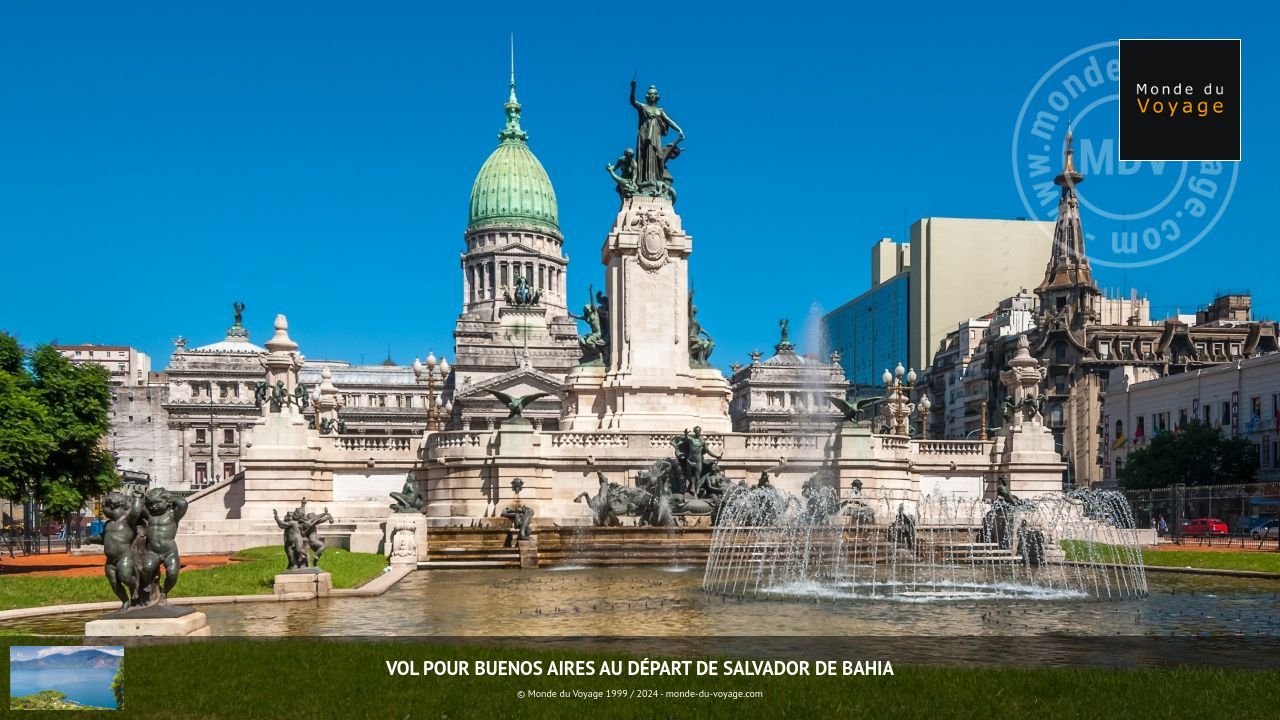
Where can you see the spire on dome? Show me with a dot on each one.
(513, 132)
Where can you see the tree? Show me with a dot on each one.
(53, 417)
(1195, 455)
(117, 684)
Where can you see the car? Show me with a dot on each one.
(1266, 530)
(1204, 526)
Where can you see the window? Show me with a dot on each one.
(228, 469)
(200, 435)
(1206, 414)
(1055, 415)
(1182, 417)
(1060, 352)
(228, 436)
(1235, 349)
(202, 473)
(1104, 350)
(1124, 347)
(1225, 417)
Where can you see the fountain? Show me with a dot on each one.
(938, 546)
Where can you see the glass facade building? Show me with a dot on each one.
(870, 331)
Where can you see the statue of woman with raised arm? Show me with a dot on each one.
(650, 157)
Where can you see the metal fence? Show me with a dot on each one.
(1242, 507)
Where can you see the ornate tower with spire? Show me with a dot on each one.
(514, 279)
(1068, 295)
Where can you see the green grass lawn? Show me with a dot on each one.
(1209, 559)
(243, 679)
(252, 575)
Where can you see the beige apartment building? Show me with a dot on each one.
(961, 268)
(127, 365)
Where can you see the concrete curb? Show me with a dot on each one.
(374, 587)
(1214, 571)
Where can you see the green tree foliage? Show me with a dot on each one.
(1196, 455)
(117, 684)
(53, 417)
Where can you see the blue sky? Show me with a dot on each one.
(161, 160)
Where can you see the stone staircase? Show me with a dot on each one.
(590, 546)
(469, 548)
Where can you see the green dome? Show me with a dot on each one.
(512, 190)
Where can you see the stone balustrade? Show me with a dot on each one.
(895, 442)
(378, 443)
(953, 447)
(587, 439)
(783, 442)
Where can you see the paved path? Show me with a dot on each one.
(63, 564)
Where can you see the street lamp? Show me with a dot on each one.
(430, 373)
(925, 405)
(898, 393)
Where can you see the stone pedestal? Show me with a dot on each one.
(649, 384)
(181, 622)
(369, 537)
(406, 538)
(528, 553)
(311, 581)
(1031, 460)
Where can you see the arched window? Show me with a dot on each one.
(1055, 415)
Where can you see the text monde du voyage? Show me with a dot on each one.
(636, 668)
(1179, 99)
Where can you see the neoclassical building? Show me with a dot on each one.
(513, 333)
(1080, 336)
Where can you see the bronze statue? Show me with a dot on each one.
(623, 173)
(261, 390)
(690, 450)
(523, 295)
(300, 535)
(850, 412)
(238, 307)
(602, 512)
(162, 511)
(293, 543)
(650, 173)
(595, 344)
(1002, 490)
(139, 541)
(408, 499)
(123, 515)
(700, 343)
(516, 405)
(784, 324)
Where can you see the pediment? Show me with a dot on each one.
(516, 383)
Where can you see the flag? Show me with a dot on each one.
(1119, 442)
(1254, 422)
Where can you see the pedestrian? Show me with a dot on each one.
(1162, 527)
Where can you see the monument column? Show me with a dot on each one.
(646, 368)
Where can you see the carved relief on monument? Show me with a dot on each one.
(654, 233)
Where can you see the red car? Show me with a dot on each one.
(1204, 526)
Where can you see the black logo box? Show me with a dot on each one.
(1208, 133)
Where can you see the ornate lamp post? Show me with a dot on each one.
(925, 405)
(897, 408)
(433, 371)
